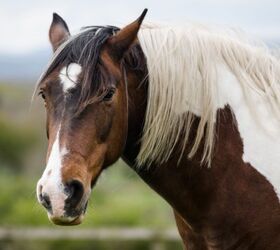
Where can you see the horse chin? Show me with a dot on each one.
(69, 217)
(66, 221)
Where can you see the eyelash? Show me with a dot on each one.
(41, 93)
(109, 95)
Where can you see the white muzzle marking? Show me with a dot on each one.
(51, 181)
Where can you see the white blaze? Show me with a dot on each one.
(51, 181)
(69, 76)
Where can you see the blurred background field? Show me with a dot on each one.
(120, 199)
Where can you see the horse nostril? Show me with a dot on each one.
(75, 190)
(45, 201)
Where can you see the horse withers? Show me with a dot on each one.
(194, 110)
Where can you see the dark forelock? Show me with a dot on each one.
(84, 49)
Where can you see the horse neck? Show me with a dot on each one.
(137, 103)
(191, 189)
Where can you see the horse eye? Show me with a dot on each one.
(109, 95)
(41, 93)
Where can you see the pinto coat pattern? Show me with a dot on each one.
(195, 112)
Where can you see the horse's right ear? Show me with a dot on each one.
(58, 32)
(121, 42)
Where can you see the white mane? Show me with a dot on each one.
(182, 64)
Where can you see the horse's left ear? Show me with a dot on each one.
(123, 39)
(58, 32)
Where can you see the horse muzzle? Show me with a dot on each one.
(65, 203)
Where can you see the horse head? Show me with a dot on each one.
(85, 95)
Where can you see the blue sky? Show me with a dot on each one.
(24, 24)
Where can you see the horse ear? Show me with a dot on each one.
(58, 32)
(123, 39)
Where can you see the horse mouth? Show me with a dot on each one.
(75, 218)
(67, 221)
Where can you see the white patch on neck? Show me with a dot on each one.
(51, 180)
(258, 128)
(69, 76)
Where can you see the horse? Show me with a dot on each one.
(192, 109)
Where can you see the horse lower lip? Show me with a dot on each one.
(64, 221)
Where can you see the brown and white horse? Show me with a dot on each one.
(192, 109)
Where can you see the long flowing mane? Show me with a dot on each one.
(182, 64)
